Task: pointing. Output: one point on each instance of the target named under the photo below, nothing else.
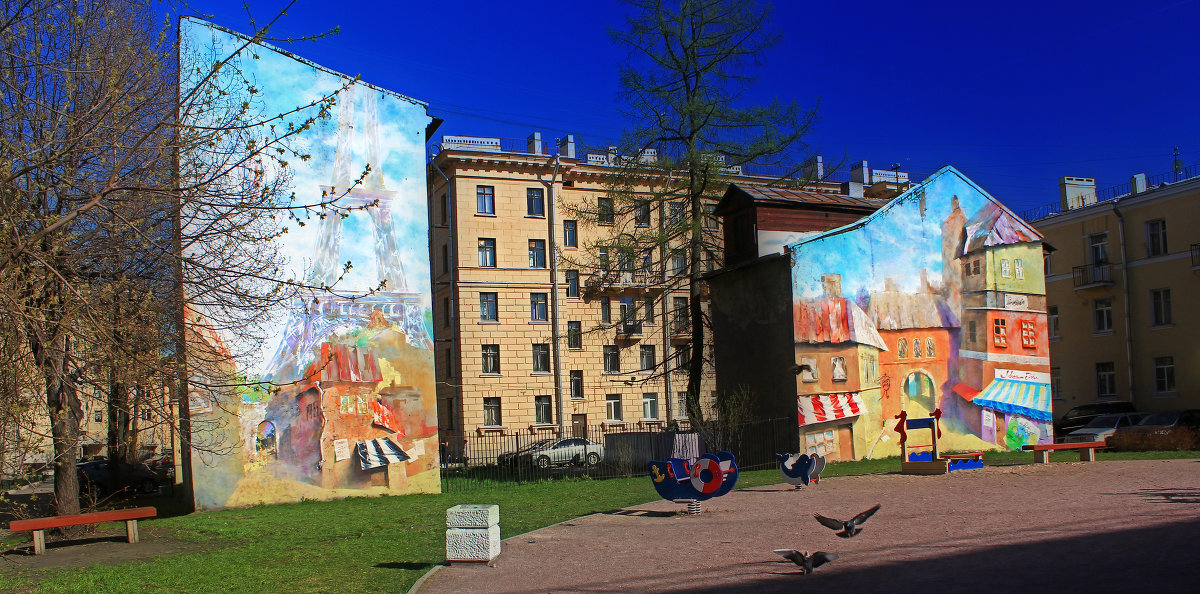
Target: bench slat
(1050, 447)
(136, 513)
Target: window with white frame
(487, 252)
(1005, 269)
(612, 407)
(541, 357)
(681, 411)
(570, 233)
(605, 215)
(491, 411)
(1052, 327)
(1156, 238)
(576, 384)
(650, 405)
(1018, 269)
(648, 358)
(491, 358)
(1102, 315)
(489, 310)
(543, 414)
(1028, 334)
(1160, 307)
(612, 359)
(641, 213)
(1164, 375)
(1000, 333)
(1106, 380)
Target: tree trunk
(53, 360)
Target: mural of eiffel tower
(322, 314)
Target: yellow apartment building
(526, 342)
(1121, 288)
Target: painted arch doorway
(920, 391)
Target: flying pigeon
(848, 528)
(806, 562)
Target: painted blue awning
(1031, 399)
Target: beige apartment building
(526, 342)
(1121, 286)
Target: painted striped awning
(1031, 399)
(818, 408)
(380, 452)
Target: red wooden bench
(1087, 450)
(39, 525)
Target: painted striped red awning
(819, 408)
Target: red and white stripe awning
(818, 408)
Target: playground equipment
(929, 461)
(684, 481)
(801, 469)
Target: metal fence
(495, 460)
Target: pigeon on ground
(848, 528)
(806, 562)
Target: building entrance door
(579, 426)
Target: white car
(572, 450)
(1101, 427)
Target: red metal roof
(789, 196)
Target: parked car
(94, 475)
(1165, 422)
(550, 452)
(1099, 428)
(1080, 416)
(521, 454)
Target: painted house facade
(952, 284)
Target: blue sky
(1014, 95)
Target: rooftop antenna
(1177, 166)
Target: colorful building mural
(350, 408)
(934, 302)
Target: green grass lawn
(379, 544)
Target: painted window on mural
(808, 370)
(264, 442)
(1000, 333)
(1005, 271)
(917, 348)
(1018, 269)
(1028, 334)
(901, 348)
(929, 347)
(839, 369)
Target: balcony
(629, 329)
(1195, 257)
(1092, 275)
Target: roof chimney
(534, 143)
(813, 169)
(1075, 192)
(1137, 183)
(566, 146)
(861, 173)
(852, 189)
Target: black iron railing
(1090, 275)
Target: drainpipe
(1125, 284)
(454, 328)
(554, 332)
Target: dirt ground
(1104, 526)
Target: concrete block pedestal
(472, 533)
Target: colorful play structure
(693, 481)
(929, 461)
(801, 469)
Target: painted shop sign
(1036, 377)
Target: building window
(446, 312)
(445, 258)
(1106, 380)
(542, 413)
(1018, 269)
(1046, 259)
(1098, 248)
(541, 358)
(575, 334)
(1052, 321)
(1028, 334)
(612, 359)
(537, 307)
(537, 253)
(570, 234)
(681, 405)
(606, 310)
(650, 405)
(445, 202)
(1102, 315)
(929, 347)
(449, 363)
(683, 358)
(485, 200)
(1000, 333)
(491, 411)
(1164, 374)
(971, 335)
(491, 358)
(975, 266)
(1056, 383)
(602, 258)
(488, 309)
(647, 261)
(98, 416)
(535, 202)
(576, 384)
(917, 352)
(1160, 307)
(839, 367)
(612, 407)
(901, 348)
(648, 358)
(604, 210)
(572, 283)
(487, 252)
(1156, 238)
(676, 212)
(641, 213)
(648, 310)
(625, 259)
(808, 370)
(679, 262)
(1005, 270)
(710, 219)
(679, 312)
